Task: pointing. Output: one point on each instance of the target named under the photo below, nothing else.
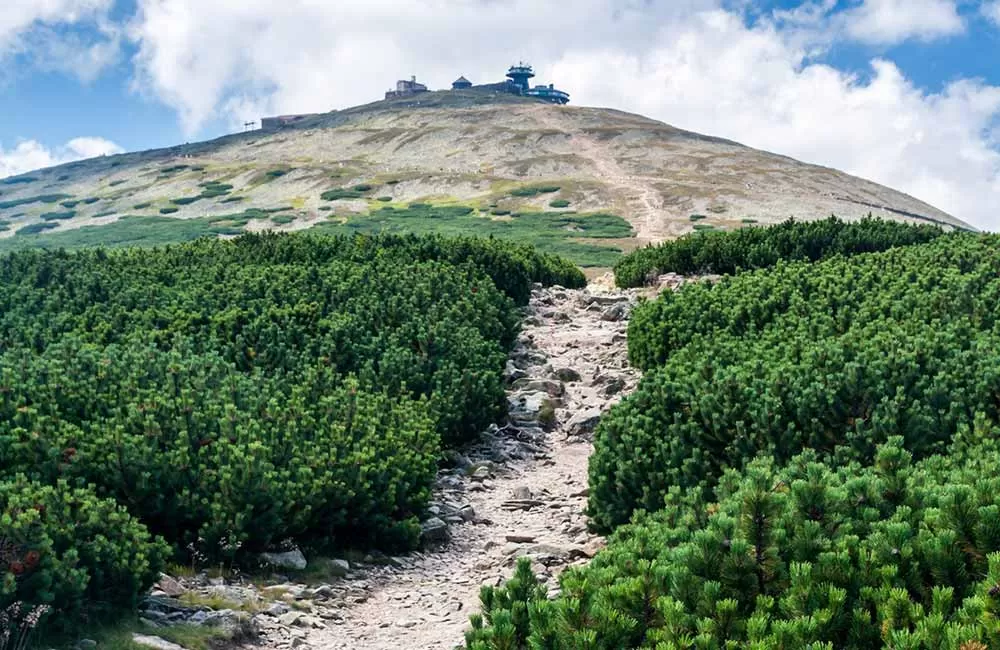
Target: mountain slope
(493, 154)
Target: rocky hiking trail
(522, 491)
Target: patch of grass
(697, 217)
(213, 189)
(19, 180)
(198, 168)
(337, 195)
(175, 168)
(547, 415)
(117, 182)
(64, 177)
(42, 198)
(118, 636)
(142, 206)
(106, 213)
(185, 200)
(233, 199)
(58, 216)
(384, 199)
(535, 190)
(324, 208)
(91, 200)
(35, 228)
(362, 188)
(277, 173)
(499, 212)
(748, 220)
(170, 210)
(282, 219)
(574, 236)
(394, 181)
(128, 231)
(703, 226)
(559, 203)
(69, 205)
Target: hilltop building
(518, 82)
(519, 75)
(406, 88)
(550, 94)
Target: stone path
(527, 487)
(521, 492)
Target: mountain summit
(496, 155)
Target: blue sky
(905, 92)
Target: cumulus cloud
(992, 11)
(48, 34)
(303, 55)
(724, 67)
(894, 21)
(29, 155)
(693, 63)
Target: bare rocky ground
(521, 491)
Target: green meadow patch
(575, 236)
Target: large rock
(290, 560)
(584, 422)
(614, 386)
(170, 586)
(434, 531)
(155, 642)
(568, 375)
(553, 388)
(615, 313)
(235, 625)
(525, 408)
(512, 373)
(340, 568)
(600, 299)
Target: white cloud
(47, 34)
(992, 11)
(692, 64)
(29, 155)
(894, 21)
(305, 55)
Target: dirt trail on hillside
(644, 201)
(522, 492)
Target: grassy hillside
(499, 155)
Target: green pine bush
(763, 247)
(836, 356)
(892, 555)
(69, 549)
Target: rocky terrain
(454, 148)
(521, 491)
